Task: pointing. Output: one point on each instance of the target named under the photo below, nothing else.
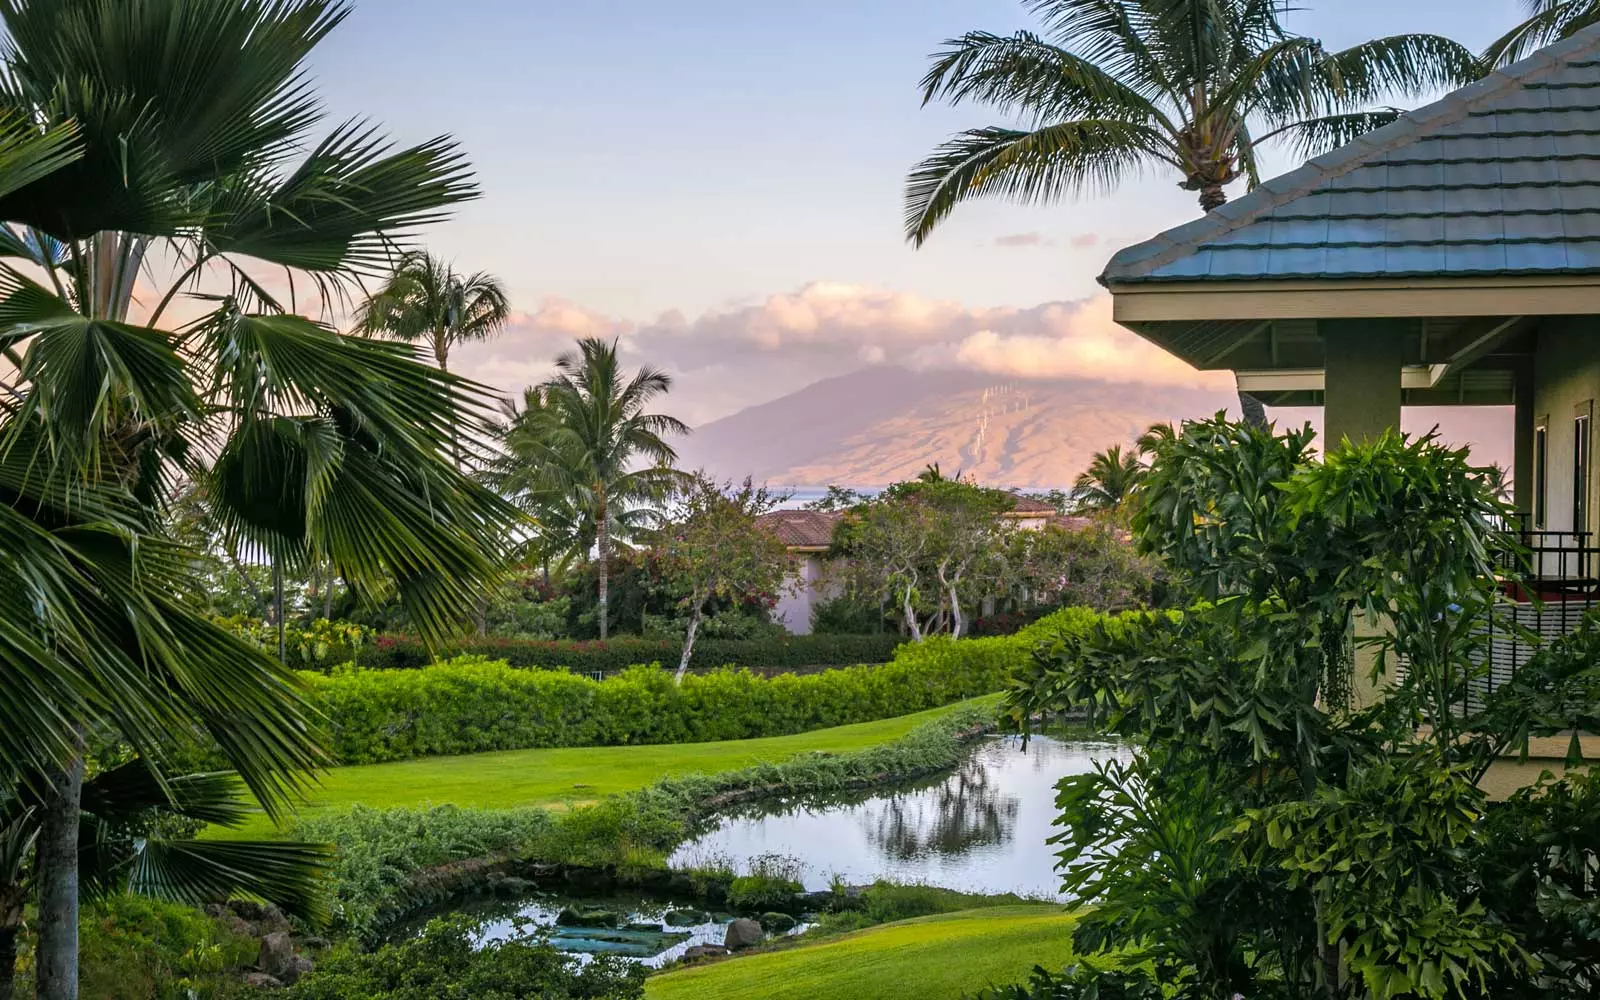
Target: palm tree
(122, 849)
(310, 445)
(1110, 478)
(584, 444)
(1118, 86)
(1547, 21)
(424, 299)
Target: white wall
(803, 588)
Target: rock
(262, 981)
(512, 886)
(703, 951)
(573, 917)
(298, 966)
(777, 923)
(215, 911)
(742, 933)
(239, 925)
(276, 957)
(315, 943)
(684, 918)
(266, 918)
(652, 928)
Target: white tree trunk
(911, 617)
(688, 646)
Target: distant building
(808, 534)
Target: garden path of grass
(930, 958)
(576, 775)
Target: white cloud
(734, 357)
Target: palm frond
(1042, 165)
(1548, 21)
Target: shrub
(318, 646)
(887, 901)
(445, 961)
(132, 948)
(470, 704)
(778, 652)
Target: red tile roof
(801, 529)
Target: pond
(980, 829)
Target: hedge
(471, 704)
(789, 652)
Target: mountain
(884, 424)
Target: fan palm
(1118, 86)
(1546, 21)
(122, 849)
(426, 300)
(1110, 478)
(179, 119)
(584, 446)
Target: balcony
(1558, 570)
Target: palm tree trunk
(277, 605)
(11, 898)
(603, 544)
(1255, 415)
(1212, 196)
(57, 962)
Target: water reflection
(981, 828)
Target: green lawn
(930, 958)
(570, 774)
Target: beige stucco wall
(806, 585)
(1566, 374)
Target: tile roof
(1028, 505)
(1499, 178)
(801, 529)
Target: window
(1580, 472)
(1541, 475)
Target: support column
(1361, 399)
(1361, 387)
(1522, 438)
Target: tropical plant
(310, 445)
(587, 451)
(1547, 21)
(1196, 85)
(1115, 87)
(1110, 479)
(425, 299)
(126, 846)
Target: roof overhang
(1411, 298)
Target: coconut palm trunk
(602, 523)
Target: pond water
(981, 828)
(653, 932)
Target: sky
(719, 184)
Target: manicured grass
(571, 775)
(930, 958)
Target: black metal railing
(1552, 579)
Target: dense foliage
(1281, 833)
(783, 652)
(446, 962)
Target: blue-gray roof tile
(1500, 177)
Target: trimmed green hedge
(472, 704)
(789, 652)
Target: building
(1451, 258)
(808, 535)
